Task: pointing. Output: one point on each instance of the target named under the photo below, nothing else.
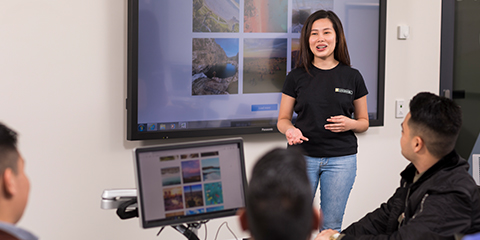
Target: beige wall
(63, 84)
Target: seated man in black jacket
(437, 197)
(279, 199)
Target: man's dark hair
(279, 198)
(437, 120)
(8, 149)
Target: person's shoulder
(6, 231)
(297, 71)
(7, 236)
(462, 179)
(455, 178)
(10, 231)
(349, 72)
(347, 68)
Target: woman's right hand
(294, 136)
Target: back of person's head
(279, 198)
(8, 149)
(341, 50)
(14, 183)
(437, 120)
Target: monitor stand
(189, 234)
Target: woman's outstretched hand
(294, 136)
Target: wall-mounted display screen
(217, 67)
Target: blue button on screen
(264, 107)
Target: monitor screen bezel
(188, 218)
(249, 126)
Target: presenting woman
(330, 100)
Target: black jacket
(443, 202)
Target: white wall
(63, 87)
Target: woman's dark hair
(340, 53)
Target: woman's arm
(284, 123)
(361, 114)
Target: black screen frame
(253, 127)
(197, 217)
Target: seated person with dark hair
(279, 199)
(437, 197)
(14, 187)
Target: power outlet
(400, 108)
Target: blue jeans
(336, 175)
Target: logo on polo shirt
(346, 91)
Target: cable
(205, 224)
(218, 230)
(161, 229)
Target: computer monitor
(189, 182)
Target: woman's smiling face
(322, 39)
